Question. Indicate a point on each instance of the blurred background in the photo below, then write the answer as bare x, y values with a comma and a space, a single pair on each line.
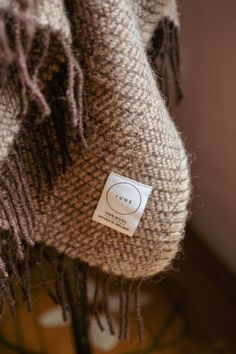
192, 310
207, 119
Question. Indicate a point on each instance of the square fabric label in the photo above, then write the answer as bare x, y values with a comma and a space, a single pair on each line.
122, 203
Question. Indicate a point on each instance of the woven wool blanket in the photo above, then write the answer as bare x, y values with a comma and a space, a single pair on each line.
84, 114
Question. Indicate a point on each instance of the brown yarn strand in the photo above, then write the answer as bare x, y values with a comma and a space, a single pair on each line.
17, 211
74, 99
165, 47
52, 153
46, 42
43, 157
126, 310
43, 278
85, 290
80, 80
60, 285
138, 311
81, 274
70, 83
121, 310
3, 272
24, 270
9, 214
175, 61
6, 54
6, 293
11, 263
35, 161
76, 289
54, 260
95, 301
24, 76
20, 169
1, 300
106, 304
17, 197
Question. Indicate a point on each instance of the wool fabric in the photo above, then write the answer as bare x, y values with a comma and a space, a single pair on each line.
81, 96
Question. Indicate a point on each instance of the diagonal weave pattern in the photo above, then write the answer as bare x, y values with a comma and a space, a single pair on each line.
131, 133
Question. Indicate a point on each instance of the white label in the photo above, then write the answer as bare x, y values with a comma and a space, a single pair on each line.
122, 203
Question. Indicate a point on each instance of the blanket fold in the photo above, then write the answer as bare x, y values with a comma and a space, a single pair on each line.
85, 92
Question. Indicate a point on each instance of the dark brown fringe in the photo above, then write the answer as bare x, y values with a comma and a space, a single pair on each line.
59, 274
28, 86
6, 292
19, 271
41, 266
6, 295
106, 304
17, 40
138, 311
36, 172
3, 272
164, 55
24, 184
16, 203
76, 290
28, 54
55, 270
44, 143
95, 302
1, 299
126, 310
10, 218
45, 148
24, 271
82, 278
121, 297
12, 266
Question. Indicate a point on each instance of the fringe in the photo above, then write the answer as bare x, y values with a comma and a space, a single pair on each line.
43, 277
43, 149
24, 272
54, 271
106, 305
165, 59
38, 61
95, 302
121, 297
47, 146
59, 274
16, 203
126, 310
140, 324
26, 56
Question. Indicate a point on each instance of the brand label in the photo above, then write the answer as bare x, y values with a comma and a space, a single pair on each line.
122, 203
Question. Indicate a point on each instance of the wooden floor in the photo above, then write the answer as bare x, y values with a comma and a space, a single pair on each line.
191, 311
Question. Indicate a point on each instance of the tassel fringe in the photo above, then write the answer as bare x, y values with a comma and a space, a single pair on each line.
54, 271
25, 53
165, 59
16, 203
27, 56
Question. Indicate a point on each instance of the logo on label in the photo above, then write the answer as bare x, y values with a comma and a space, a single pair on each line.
122, 203
124, 198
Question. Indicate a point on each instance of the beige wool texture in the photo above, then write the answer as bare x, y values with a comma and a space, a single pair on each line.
131, 133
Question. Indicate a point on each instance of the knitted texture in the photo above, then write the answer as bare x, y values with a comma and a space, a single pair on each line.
127, 126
